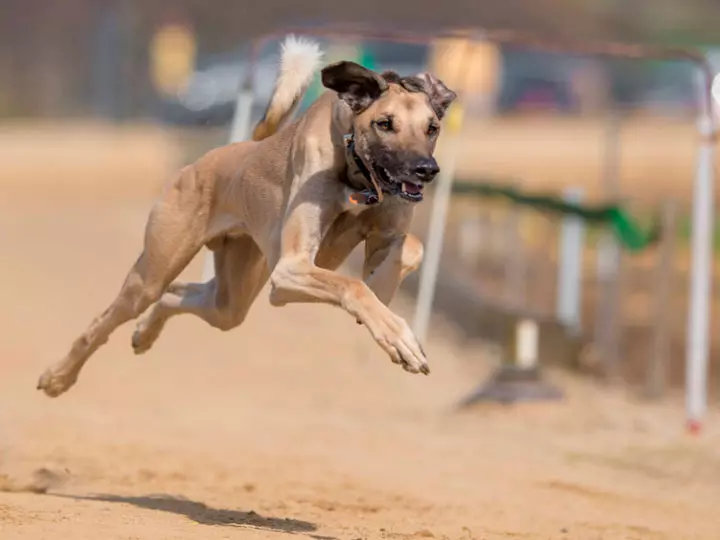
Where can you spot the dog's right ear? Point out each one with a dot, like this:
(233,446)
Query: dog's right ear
(356,85)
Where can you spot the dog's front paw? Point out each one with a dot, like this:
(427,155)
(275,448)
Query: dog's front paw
(399,341)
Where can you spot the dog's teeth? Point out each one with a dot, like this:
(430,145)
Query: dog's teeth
(404,187)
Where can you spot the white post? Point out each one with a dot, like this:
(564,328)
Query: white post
(569,286)
(436,231)
(239,131)
(701,274)
(527,335)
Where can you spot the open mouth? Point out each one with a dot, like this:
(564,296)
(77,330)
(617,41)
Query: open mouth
(410,191)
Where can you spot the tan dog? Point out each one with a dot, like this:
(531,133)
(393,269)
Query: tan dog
(291,205)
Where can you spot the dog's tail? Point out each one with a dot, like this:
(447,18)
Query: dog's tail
(300,59)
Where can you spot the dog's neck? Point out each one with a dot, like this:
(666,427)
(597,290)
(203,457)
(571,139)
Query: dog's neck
(357,176)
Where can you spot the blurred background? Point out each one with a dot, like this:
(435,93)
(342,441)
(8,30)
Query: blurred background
(571,203)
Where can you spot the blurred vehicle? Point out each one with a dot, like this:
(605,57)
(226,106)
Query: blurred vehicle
(536,81)
(536,94)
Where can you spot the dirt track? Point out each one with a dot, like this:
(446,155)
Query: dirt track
(295,424)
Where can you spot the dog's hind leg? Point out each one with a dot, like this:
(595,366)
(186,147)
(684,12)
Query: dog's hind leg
(223,302)
(173,236)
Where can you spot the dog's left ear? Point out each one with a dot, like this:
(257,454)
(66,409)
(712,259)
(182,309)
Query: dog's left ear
(440,95)
(356,85)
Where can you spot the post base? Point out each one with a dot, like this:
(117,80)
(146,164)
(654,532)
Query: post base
(511,384)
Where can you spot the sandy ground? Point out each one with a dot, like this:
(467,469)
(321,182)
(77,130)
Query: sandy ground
(294,424)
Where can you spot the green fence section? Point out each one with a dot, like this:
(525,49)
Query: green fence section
(628,231)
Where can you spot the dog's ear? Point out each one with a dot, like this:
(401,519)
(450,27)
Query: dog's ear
(356,85)
(440,95)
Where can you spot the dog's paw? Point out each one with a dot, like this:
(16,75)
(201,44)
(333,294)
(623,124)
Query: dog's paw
(397,339)
(54,382)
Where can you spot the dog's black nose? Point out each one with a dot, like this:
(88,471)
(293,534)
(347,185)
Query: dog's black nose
(426,169)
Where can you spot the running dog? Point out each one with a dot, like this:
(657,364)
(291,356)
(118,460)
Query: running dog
(289,206)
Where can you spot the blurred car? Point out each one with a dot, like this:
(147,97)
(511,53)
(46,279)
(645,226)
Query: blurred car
(536,94)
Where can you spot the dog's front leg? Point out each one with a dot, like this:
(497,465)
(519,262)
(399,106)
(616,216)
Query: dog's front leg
(296,278)
(389,258)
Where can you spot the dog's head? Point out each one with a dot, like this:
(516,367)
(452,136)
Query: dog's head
(396,122)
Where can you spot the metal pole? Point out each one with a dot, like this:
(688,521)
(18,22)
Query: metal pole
(436,232)
(572,237)
(239,131)
(515,259)
(609,256)
(698,344)
(664,280)
(608,325)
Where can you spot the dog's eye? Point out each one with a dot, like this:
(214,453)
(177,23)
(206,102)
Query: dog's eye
(384,124)
(432,130)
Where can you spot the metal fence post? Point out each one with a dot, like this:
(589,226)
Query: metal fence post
(515,259)
(610,258)
(663,291)
(570,267)
(608,323)
(698,324)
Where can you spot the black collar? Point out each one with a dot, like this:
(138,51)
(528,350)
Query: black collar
(366,191)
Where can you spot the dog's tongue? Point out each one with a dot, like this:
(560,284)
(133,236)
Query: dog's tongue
(409,187)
